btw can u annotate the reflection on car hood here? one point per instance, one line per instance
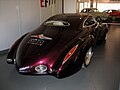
(43, 44)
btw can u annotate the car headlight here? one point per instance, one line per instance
(41, 68)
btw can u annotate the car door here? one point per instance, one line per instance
(88, 27)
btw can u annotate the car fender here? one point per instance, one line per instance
(12, 51)
(71, 63)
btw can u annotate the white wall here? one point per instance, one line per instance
(45, 13)
(20, 16)
(57, 8)
(29, 15)
(50, 10)
(70, 6)
(8, 23)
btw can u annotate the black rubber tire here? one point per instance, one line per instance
(103, 38)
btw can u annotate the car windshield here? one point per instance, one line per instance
(56, 23)
(85, 10)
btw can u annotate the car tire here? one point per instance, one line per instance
(103, 38)
(88, 57)
(109, 20)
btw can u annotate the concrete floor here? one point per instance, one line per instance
(102, 74)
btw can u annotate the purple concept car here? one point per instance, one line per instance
(59, 47)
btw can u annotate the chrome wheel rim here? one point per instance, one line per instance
(106, 37)
(88, 56)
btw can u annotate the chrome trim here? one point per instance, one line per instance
(91, 36)
(81, 39)
(24, 68)
(89, 25)
(41, 36)
(41, 68)
(9, 60)
(69, 53)
(97, 25)
(36, 41)
(88, 56)
(56, 23)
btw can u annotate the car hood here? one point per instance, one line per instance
(43, 46)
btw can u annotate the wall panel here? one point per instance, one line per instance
(70, 6)
(9, 28)
(29, 15)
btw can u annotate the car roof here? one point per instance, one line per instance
(72, 18)
(69, 17)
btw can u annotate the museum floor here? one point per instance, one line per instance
(102, 74)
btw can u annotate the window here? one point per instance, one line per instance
(56, 23)
(95, 10)
(89, 21)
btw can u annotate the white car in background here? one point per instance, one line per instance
(95, 12)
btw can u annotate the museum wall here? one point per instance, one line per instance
(9, 26)
(51, 8)
(70, 6)
(18, 17)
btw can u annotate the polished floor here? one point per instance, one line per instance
(102, 74)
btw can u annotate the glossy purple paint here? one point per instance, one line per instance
(32, 58)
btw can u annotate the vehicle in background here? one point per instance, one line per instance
(95, 12)
(114, 15)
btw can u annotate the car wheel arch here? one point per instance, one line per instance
(70, 62)
(86, 48)
(102, 36)
(80, 53)
(12, 51)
